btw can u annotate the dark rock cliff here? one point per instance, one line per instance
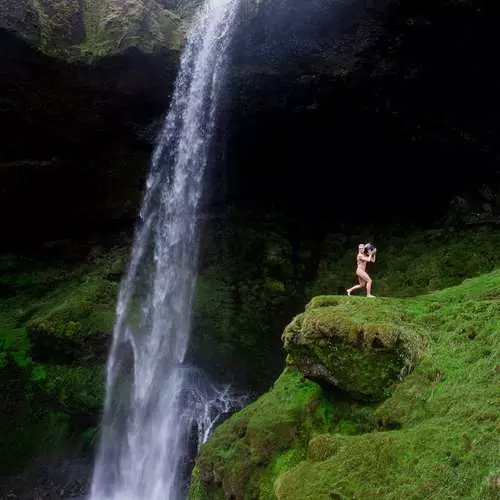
(330, 106)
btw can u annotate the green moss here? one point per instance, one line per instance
(409, 262)
(242, 300)
(76, 390)
(75, 322)
(31, 424)
(362, 347)
(114, 26)
(324, 446)
(86, 29)
(55, 322)
(244, 455)
(428, 462)
(444, 415)
(435, 436)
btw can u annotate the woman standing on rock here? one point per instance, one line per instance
(366, 253)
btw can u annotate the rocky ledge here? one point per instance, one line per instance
(75, 29)
(370, 404)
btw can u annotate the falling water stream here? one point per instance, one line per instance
(154, 400)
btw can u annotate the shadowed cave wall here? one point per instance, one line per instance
(374, 115)
(337, 112)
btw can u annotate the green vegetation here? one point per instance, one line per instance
(435, 435)
(349, 343)
(56, 316)
(244, 298)
(55, 321)
(74, 29)
(254, 278)
(113, 26)
(409, 261)
(268, 436)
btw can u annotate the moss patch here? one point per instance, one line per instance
(55, 322)
(243, 299)
(435, 436)
(74, 323)
(114, 25)
(361, 346)
(409, 262)
(76, 390)
(247, 452)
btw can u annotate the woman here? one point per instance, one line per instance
(366, 253)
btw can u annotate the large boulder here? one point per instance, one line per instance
(358, 345)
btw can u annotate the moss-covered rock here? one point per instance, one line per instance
(361, 346)
(55, 324)
(248, 451)
(30, 424)
(75, 390)
(75, 29)
(243, 298)
(426, 462)
(435, 436)
(76, 325)
(45, 408)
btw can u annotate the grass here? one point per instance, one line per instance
(436, 436)
(409, 262)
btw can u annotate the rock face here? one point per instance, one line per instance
(340, 342)
(337, 85)
(83, 29)
(306, 76)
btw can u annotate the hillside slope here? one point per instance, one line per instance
(434, 434)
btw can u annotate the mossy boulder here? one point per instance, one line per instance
(75, 29)
(247, 452)
(42, 406)
(73, 322)
(75, 390)
(77, 328)
(362, 346)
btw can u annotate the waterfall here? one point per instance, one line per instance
(154, 400)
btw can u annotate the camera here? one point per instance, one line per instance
(370, 248)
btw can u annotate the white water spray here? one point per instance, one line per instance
(153, 400)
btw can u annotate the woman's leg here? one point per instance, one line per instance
(362, 284)
(364, 276)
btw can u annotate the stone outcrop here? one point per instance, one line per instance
(86, 29)
(342, 342)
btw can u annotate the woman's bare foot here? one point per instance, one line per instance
(348, 292)
(370, 295)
